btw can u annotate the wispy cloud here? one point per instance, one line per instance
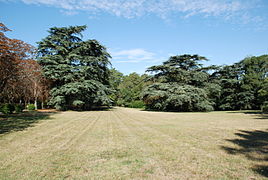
(133, 56)
(161, 8)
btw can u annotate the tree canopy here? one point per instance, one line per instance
(78, 69)
(242, 83)
(20, 75)
(179, 85)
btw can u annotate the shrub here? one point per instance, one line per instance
(18, 108)
(136, 104)
(8, 108)
(120, 102)
(265, 107)
(78, 105)
(31, 107)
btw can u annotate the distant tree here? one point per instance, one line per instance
(116, 79)
(228, 79)
(241, 84)
(130, 88)
(254, 72)
(77, 69)
(176, 97)
(179, 85)
(263, 92)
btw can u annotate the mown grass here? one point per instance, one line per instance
(18, 122)
(128, 143)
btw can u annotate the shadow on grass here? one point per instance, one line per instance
(95, 108)
(246, 111)
(254, 146)
(19, 122)
(101, 108)
(262, 116)
(258, 113)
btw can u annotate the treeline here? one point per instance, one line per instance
(67, 72)
(182, 83)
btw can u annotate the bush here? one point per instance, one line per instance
(7, 108)
(31, 107)
(18, 108)
(265, 107)
(78, 105)
(121, 103)
(136, 104)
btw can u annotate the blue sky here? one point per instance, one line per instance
(142, 33)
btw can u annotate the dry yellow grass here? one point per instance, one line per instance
(132, 144)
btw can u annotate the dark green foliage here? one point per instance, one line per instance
(78, 69)
(242, 84)
(31, 107)
(176, 97)
(18, 108)
(182, 84)
(77, 95)
(255, 70)
(8, 108)
(263, 92)
(136, 104)
(228, 79)
(116, 79)
(265, 107)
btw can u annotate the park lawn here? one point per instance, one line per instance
(127, 143)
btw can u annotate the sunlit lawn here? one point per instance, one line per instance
(132, 144)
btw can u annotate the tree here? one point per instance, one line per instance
(116, 79)
(13, 53)
(30, 75)
(254, 72)
(228, 78)
(176, 97)
(263, 92)
(241, 84)
(130, 88)
(77, 69)
(179, 85)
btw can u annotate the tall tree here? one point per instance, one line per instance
(77, 69)
(179, 85)
(254, 72)
(228, 79)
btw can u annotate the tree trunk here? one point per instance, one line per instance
(35, 103)
(35, 95)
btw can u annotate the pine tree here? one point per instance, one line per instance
(78, 69)
(179, 85)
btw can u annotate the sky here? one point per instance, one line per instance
(142, 33)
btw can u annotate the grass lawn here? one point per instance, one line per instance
(131, 144)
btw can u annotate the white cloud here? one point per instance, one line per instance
(68, 12)
(162, 8)
(133, 56)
